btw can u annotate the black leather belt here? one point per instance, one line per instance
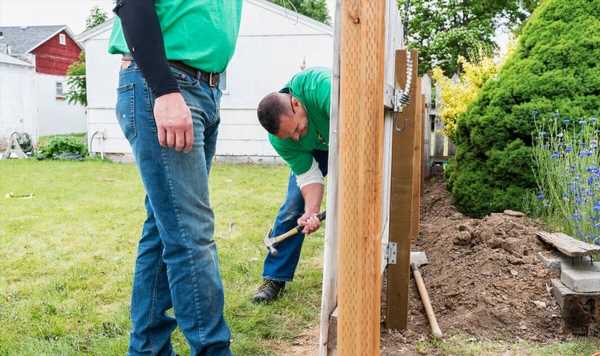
(212, 79)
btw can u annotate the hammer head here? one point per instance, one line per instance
(269, 243)
(418, 258)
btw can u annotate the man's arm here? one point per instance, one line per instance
(311, 185)
(313, 195)
(141, 28)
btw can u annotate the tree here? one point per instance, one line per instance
(95, 18)
(444, 30)
(316, 9)
(460, 91)
(553, 69)
(76, 92)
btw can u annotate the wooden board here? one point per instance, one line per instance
(405, 196)
(568, 245)
(360, 143)
(329, 294)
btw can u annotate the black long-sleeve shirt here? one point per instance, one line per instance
(143, 34)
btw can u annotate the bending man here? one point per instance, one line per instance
(297, 119)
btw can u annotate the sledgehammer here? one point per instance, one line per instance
(419, 259)
(271, 242)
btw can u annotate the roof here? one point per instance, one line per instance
(281, 11)
(14, 61)
(24, 39)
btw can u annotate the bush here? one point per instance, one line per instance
(457, 96)
(553, 68)
(63, 147)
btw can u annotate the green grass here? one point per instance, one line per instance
(67, 257)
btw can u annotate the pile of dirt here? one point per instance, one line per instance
(484, 277)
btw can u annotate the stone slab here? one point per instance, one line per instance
(580, 311)
(568, 245)
(583, 277)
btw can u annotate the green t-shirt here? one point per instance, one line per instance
(200, 33)
(312, 88)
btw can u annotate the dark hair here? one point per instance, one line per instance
(270, 109)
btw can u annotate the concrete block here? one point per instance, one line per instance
(580, 311)
(550, 260)
(581, 277)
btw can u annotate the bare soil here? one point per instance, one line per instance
(484, 279)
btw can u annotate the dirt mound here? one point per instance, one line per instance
(484, 276)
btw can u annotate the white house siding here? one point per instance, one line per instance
(56, 116)
(273, 45)
(17, 99)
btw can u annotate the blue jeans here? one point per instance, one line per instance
(282, 266)
(177, 263)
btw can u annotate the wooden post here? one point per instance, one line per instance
(329, 296)
(405, 194)
(360, 171)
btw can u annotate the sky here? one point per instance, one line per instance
(58, 12)
(49, 12)
(74, 12)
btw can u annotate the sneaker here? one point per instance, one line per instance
(268, 291)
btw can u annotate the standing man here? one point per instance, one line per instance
(168, 109)
(297, 119)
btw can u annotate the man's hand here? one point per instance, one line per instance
(174, 122)
(310, 221)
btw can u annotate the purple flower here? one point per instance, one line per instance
(540, 196)
(556, 155)
(596, 206)
(569, 149)
(576, 217)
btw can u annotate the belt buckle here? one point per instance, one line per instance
(212, 80)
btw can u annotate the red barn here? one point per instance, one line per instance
(50, 50)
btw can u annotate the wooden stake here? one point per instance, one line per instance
(405, 194)
(360, 172)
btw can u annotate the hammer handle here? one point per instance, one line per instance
(435, 328)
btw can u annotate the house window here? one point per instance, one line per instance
(60, 94)
(62, 39)
(223, 82)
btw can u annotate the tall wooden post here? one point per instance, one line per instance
(360, 170)
(405, 193)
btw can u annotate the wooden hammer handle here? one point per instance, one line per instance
(435, 328)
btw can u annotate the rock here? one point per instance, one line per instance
(463, 238)
(514, 273)
(551, 261)
(495, 242)
(539, 304)
(516, 214)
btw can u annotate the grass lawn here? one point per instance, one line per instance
(67, 257)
